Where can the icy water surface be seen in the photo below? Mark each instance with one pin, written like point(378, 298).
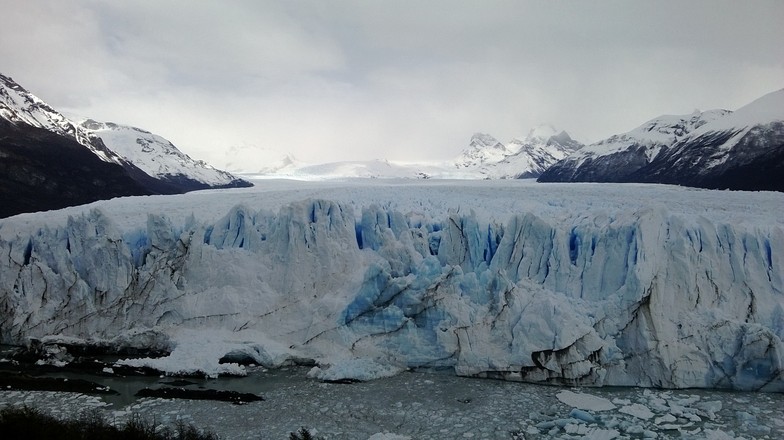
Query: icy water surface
point(436, 406)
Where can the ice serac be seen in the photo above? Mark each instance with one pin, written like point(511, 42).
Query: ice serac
point(641, 297)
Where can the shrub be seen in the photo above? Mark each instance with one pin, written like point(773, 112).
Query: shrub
point(303, 434)
point(30, 423)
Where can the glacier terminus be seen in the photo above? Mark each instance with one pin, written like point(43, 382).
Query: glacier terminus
point(576, 284)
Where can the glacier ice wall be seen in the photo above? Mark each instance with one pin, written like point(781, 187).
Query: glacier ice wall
point(643, 297)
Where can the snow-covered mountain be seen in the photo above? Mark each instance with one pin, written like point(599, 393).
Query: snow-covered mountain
point(45, 166)
point(19, 106)
point(485, 158)
point(157, 156)
point(483, 149)
point(521, 158)
point(629, 285)
point(714, 149)
point(614, 159)
point(743, 150)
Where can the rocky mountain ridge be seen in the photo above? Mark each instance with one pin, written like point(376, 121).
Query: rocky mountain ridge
point(50, 161)
point(716, 149)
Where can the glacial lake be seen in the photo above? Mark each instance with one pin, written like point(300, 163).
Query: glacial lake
point(428, 405)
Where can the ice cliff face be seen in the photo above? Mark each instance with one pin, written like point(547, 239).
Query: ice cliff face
point(645, 297)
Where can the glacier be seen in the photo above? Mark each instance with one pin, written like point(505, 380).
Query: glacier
point(564, 284)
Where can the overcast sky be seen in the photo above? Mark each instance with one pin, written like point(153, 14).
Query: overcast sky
point(402, 80)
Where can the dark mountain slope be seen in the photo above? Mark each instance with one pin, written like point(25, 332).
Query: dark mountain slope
point(41, 170)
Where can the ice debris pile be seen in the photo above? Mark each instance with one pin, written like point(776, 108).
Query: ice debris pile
point(642, 296)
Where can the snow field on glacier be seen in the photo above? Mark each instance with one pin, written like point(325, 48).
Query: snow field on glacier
point(428, 406)
point(566, 283)
point(490, 199)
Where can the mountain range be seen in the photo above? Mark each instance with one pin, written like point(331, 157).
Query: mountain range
point(519, 159)
point(50, 161)
point(484, 158)
point(716, 149)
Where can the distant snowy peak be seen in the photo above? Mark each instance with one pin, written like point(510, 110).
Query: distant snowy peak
point(543, 131)
point(656, 133)
point(550, 138)
point(254, 159)
point(536, 153)
point(769, 108)
point(483, 141)
point(521, 158)
point(19, 106)
point(155, 155)
point(482, 149)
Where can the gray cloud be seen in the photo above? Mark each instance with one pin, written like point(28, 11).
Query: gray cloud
point(401, 80)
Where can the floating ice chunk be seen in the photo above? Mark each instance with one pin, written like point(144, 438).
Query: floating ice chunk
point(637, 410)
point(710, 408)
point(585, 401)
point(549, 424)
point(356, 369)
point(745, 417)
point(716, 434)
point(387, 436)
point(576, 429)
point(601, 434)
point(667, 418)
point(579, 414)
point(196, 352)
point(635, 429)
